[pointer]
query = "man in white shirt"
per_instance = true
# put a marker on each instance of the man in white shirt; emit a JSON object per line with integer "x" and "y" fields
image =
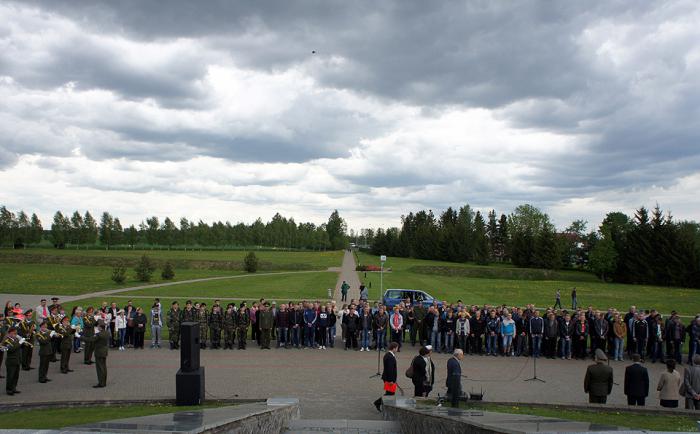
{"x": 42, "y": 311}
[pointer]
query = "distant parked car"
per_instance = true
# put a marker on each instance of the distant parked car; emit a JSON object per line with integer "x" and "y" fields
{"x": 392, "y": 297}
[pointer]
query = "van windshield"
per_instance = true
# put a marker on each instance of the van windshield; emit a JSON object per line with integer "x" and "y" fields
{"x": 393, "y": 294}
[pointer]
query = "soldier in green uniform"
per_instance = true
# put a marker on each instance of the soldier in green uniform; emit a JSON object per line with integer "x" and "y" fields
{"x": 418, "y": 326}
{"x": 25, "y": 329}
{"x": 203, "y": 318}
{"x": 216, "y": 323}
{"x": 66, "y": 332}
{"x": 54, "y": 324}
{"x": 45, "y": 350}
{"x": 88, "y": 332}
{"x": 229, "y": 327}
{"x": 267, "y": 321}
{"x": 243, "y": 322}
{"x": 11, "y": 345}
{"x": 174, "y": 319}
{"x": 100, "y": 339}
{"x": 190, "y": 313}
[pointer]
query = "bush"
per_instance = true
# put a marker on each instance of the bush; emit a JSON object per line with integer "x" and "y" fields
{"x": 168, "y": 272}
{"x": 119, "y": 273}
{"x": 250, "y": 262}
{"x": 144, "y": 269}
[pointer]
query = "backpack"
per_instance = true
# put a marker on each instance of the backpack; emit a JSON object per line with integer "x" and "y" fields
{"x": 409, "y": 371}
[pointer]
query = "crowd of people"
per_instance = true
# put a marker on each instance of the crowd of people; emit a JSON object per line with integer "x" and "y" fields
{"x": 361, "y": 325}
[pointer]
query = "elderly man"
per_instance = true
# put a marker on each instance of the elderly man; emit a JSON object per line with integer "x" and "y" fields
{"x": 691, "y": 384}
{"x": 598, "y": 382}
{"x": 454, "y": 377}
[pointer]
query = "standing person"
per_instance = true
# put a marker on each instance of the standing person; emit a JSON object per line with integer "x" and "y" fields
{"x": 114, "y": 312}
{"x": 67, "y": 332}
{"x": 636, "y": 382}
{"x": 229, "y": 327}
{"x": 619, "y": 331}
{"x": 669, "y": 384}
{"x": 322, "y": 327}
{"x": 55, "y": 324}
{"x": 551, "y": 336}
{"x": 418, "y": 329}
{"x": 492, "y": 329}
{"x": 477, "y": 326}
{"x": 557, "y": 299}
{"x": 11, "y": 345}
{"x": 463, "y": 331}
{"x": 216, "y": 323}
{"x": 600, "y": 327}
{"x": 332, "y": 320}
{"x": 266, "y": 323}
{"x": 396, "y": 324}
{"x": 310, "y": 319}
{"x": 580, "y": 336}
{"x": 640, "y": 334}
{"x": 450, "y": 326}
{"x": 120, "y": 325}
{"x": 366, "y": 326}
{"x": 42, "y": 311}
{"x": 344, "y": 291}
{"x": 352, "y": 322}
{"x": 364, "y": 293}
{"x": 423, "y": 372}
{"x": 691, "y": 384}
{"x": 77, "y": 323}
{"x": 693, "y": 339}
{"x": 140, "y": 321}
{"x": 101, "y": 342}
{"x": 89, "y": 322}
{"x": 156, "y": 325}
{"x": 657, "y": 338}
{"x": 129, "y": 314}
{"x": 536, "y": 332}
{"x": 566, "y": 333}
{"x": 203, "y": 319}
{"x": 574, "y": 300}
{"x": 389, "y": 374}
{"x": 296, "y": 321}
{"x": 174, "y": 319}
{"x": 381, "y": 322}
{"x": 282, "y": 323}
{"x": 454, "y": 377}
{"x": 598, "y": 382}
{"x": 243, "y": 322}
{"x": 26, "y": 329}
{"x": 507, "y": 334}
{"x": 45, "y": 351}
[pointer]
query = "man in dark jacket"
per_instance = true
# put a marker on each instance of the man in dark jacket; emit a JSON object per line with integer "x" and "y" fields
{"x": 454, "y": 377}
{"x": 423, "y": 372}
{"x": 100, "y": 339}
{"x": 598, "y": 382}
{"x": 352, "y": 323}
{"x": 266, "y": 323}
{"x": 389, "y": 374}
{"x": 640, "y": 334}
{"x": 636, "y": 382}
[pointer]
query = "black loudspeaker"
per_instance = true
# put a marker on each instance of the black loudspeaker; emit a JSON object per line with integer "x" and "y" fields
{"x": 189, "y": 347}
{"x": 189, "y": 387}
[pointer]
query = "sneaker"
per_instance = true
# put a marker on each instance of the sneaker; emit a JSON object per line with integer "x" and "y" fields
{"x": 362, "y": 349}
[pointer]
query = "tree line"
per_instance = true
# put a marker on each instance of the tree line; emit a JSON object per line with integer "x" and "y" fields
{"x": 647, "y": 248}
{"x": 84, "y": 231}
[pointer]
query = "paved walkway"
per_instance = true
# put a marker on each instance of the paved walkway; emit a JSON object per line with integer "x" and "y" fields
{"x": 348, "y": 274}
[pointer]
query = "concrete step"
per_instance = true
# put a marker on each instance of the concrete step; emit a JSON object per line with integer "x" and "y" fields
{"x": 342, "y": 426}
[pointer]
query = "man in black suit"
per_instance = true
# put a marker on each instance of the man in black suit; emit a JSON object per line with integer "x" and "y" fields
{"x": 454, "y": 377}
{"x": 389, "y": 374}
{"x": 423, "y": 372}
{"x": 636, "y": 382}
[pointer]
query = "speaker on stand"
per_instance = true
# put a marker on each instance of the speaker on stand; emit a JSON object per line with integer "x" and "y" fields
{"x": 189, "y": 380}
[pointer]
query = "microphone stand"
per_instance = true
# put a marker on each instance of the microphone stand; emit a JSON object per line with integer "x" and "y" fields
{"x": 534, "y": 377}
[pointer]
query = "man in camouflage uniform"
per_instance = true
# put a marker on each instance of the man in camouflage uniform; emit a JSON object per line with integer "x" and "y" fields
{"x": 189, "y": 314}
{"x": 88, "y": 332}
{"x": 229, "y": 327}
{"x": 203, "y": 318}
{"x": 243, "y": 322}
{"x": 216, "y": 323}
{"x": 174, "y": 319}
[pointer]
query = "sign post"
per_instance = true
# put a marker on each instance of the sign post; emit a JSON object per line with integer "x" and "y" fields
{"x": 382, "y": 260}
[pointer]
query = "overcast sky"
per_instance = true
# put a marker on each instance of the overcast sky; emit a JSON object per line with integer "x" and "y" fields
{"x": 221, "y": 110}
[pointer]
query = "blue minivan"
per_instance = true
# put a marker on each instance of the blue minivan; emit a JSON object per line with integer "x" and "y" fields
{"x": 392, "y": 297}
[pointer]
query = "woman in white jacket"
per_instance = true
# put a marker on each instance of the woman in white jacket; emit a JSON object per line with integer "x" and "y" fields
{"x": 120, "y": 324}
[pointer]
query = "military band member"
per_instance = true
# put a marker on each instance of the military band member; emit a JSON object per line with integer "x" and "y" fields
{"x": 266, "y": 323}
{"x": 216, "y": 323}
{"x": 174, "y": 319}
{"x": 26, "y": 330}
{"x": 88, "y": 331}
{"x": 3, "y": 332}
{"x": 55, "y": 324}
{"x": 11, "y": 345}
{"x": 45, "y": 350}
{"x": 203, "y": 318}
{"x": 243, "y": 322}
{"x": 66, "y": 332}
{"x": 100, "y": 340}
{"x": 229, "y": 326}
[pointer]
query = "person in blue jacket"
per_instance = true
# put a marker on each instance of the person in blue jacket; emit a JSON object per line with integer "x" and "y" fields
{"x": 310, "y": 318}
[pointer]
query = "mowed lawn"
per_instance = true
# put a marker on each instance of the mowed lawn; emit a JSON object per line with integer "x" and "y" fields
{"x": 51, "y": 279}
{"x": 493, "y": 291}
{"x": 283, "y": 259}
{"x": 283, "y": 286}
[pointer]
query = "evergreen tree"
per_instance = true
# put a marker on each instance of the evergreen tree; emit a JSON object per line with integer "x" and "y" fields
{"x": 481, "y": 242}
{"x": 504, "y": 245}
{"x": 603, "y": 258}
{"x": 336, "y": 228}
{"x": 250, "y": 262}
{"x": 36, "y": 230}
{"x": 144, "y": 269}
{"x": 546, "y": 253}
{"x": 168, "y": 272}
{"x": 59, "y": 230}
{"x": 106, "y": 230}
{"x": 119, "y": 273}
{"x": 465, "y": 233}
{"x": 90, "y": 229}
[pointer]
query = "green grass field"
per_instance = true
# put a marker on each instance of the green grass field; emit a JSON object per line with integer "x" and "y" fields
{"x": 53, "y": 418}
{"x": 305, "y": 285}
{"x": 473, "y": 290}
{"x": 649, "y": 422}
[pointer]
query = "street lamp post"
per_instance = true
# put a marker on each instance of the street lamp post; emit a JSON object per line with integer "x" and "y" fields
{"x": 382, "y": 260}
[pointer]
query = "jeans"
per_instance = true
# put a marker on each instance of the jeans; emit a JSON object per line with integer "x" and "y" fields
{"x": 565, "y": 348}
{"x": 76, "y": 344}
{"x": 619, "y": 346}
{"x": 491, "y": 344}
{"x": 536, "y": 345}
{"x": 331, "y": 336}
{"x": 449, "y": 342}
{"x": 381, "y": 339}
{"x": 122, "y": 337}
{"x": 507, "y": 342}
{"x": 155, "y": 335}
{"x": 365, "y": 339}
{"x": 295, "y": 336}
{"x": 520, "y": 344}
{"x": 573, "y": 303}
{"x": 281, "y": 336}
{"x": 693, "y": 348}
{"x": 657, "y": 352}
{"x": 309, "y": 336}
{"x": 435, "y": 340}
